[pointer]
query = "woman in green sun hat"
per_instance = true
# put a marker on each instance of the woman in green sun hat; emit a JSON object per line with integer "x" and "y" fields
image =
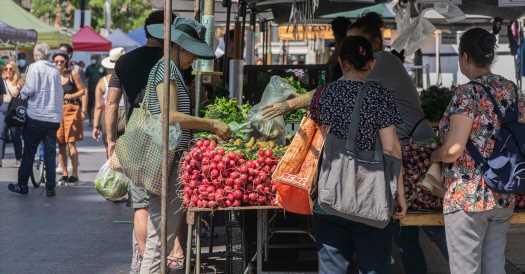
{"x": 187, "y": 37}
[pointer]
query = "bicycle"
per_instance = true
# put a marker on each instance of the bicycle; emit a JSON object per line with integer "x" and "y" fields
{"x": 38, "y": 176}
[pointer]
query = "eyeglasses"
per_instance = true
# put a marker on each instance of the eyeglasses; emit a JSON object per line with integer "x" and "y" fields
{"x": 59, "y": 62}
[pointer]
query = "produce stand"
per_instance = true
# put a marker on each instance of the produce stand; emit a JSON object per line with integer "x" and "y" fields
{"x": 193, "y": 219}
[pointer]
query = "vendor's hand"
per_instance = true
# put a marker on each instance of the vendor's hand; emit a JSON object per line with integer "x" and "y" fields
{"x": 275, "y": 110}
{"x": 402, "y": 208}
{"x": 96, "y": 134}
{"x": 220, "y": 129}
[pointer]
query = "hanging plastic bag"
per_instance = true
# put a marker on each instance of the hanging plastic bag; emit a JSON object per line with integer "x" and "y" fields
{"x": 277, "y": 90}
{"x": 111, "y": 184}
{"x": 412, "y": 31}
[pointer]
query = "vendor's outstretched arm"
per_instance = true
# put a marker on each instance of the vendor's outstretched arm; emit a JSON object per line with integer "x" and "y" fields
{"x": 187, "y": 121}
{"x": 282, "y": 108}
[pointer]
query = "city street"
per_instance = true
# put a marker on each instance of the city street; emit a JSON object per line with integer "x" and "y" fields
{"x": 76, "y": 232}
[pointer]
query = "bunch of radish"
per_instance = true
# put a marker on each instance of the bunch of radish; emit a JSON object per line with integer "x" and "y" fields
{"x": 416, "y": 161}
{"x": 520, "y": 201}
{"x": 259, "y": 189}
{"x": 213, "y": 177}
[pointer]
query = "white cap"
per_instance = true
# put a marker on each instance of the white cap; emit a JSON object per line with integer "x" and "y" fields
{"x": 114, "y": 55}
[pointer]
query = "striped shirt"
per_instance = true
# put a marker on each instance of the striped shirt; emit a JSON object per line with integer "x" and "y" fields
{"x": 156, "y": 77}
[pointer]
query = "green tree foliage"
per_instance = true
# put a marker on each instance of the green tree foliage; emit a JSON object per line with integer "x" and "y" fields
{"x": 126, "y": 14}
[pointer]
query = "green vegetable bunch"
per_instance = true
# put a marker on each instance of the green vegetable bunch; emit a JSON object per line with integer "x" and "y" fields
{"x": 435, "y": 101}
{"x": 298, "y": 85}
{"x": 227, "y": 110}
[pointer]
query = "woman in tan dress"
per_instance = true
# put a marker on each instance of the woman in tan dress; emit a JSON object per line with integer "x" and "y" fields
{"x": 71, "y": 130}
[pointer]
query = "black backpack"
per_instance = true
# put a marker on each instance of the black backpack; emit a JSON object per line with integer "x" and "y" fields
{"x": 504, "y": 169}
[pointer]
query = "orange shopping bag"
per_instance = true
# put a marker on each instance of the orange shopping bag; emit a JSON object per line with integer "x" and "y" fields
{"x": 296, "y": 173}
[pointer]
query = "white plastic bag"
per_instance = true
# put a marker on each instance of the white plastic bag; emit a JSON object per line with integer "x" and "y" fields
{"x": 277, "y": 90}
{"x": 111, "y": 184}
{"x": 412, "y": 31}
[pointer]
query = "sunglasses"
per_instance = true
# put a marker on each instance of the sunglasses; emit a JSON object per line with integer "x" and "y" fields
{"x": 58, "y": 62}
{"x": 9, "y": 69}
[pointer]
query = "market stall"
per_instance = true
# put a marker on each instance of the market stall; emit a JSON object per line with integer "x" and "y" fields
{"x": 87, "y": 39}
{"x": 16, "y": 16}
{"x": 13, "y": 37}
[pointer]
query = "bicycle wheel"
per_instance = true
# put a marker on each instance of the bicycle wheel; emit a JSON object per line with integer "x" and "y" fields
{"x": 37, "y": 174}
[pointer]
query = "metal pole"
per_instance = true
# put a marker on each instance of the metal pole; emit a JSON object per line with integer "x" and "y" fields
{"x": 438, "y": 57}
{"x": 243, "y": 11}
{"x": 226, "y": 43}
{"x": 208, "y": 20}
{"x": 165, "y": 135}
{"x": 107, "y": 15}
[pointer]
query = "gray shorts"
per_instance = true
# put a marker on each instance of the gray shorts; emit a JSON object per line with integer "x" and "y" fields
{"x": 139, "y": 197}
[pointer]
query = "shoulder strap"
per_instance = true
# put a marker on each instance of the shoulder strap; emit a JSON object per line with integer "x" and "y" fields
{"x": 471, "y": 148}
{"x": 495, "y": 104}
{"x": 356, "y": 117}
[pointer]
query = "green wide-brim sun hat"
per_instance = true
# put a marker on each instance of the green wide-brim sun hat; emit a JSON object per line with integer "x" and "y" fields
{"x": 188, "y": 34}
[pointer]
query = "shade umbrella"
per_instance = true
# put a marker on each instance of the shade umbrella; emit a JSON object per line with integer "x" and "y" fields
{"x": 17, "y": 17}
{"x": 11, "y": 36}
{"x": 86, "y": 39}
{"x": 138, "y": 35}
{"x": 119, "y": 38}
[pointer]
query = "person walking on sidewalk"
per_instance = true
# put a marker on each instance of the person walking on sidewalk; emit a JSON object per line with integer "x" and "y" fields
{"x": 71, "y": 128}
{"x": 13, "y": 84}
{"x": 101, "y": 95}
{"x": 45, "y": 96}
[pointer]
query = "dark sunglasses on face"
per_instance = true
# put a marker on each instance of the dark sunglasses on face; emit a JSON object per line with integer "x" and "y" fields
{"x": 8, "y": 69}
{"x": 59, "y": 62}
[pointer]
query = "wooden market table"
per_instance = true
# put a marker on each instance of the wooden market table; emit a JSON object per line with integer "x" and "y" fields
{"x": 193, "y": 220}
{"x": 436, "y": 219}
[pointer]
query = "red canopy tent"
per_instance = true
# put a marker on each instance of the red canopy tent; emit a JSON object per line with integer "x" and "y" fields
{"x": 86, "y": 39}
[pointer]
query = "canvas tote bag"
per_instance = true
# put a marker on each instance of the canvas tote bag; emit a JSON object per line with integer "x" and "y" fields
{"x": 357, "y": 185}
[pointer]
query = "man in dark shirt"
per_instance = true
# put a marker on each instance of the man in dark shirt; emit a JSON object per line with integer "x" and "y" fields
{"x": 340, "y": 26}
{"x": 129, "y": 78}
{"x": 94, "y": 72}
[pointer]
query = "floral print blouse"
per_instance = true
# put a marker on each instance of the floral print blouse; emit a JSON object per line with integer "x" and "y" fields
{"x": 333, "y": 106}
{"x": 466, "y": 188}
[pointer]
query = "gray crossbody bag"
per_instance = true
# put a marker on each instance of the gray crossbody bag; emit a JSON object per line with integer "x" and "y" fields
{"x": 357, "y": 185}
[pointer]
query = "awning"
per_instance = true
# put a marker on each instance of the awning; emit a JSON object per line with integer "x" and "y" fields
{"x": 15, "y": 16}
{"x": 86, "y": 39}
{"x": 383, "y": 9}
{"x": 120, "y": 39}
{"x": 10, "y": 36}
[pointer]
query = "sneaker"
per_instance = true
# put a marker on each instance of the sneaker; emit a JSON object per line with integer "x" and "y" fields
{"x": 16, "y": 188}
{"x": 50, "y": 192}
{"x": 62, "y": 181}
{"x": 72, "y": 179}
{"x": 18, "y": 163}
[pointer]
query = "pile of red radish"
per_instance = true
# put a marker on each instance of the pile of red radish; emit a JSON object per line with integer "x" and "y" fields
{"x": 416, "y": 161}
{"x": 215, "y": 178}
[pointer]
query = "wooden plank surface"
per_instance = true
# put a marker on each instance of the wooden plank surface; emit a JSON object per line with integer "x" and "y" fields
{"x": 436, "y": 219}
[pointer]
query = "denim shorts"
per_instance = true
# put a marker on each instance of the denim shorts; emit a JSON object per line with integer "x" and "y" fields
{"x": 139, "y": 197}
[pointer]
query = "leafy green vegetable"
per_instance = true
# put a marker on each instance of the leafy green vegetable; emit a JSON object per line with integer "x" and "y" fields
{"x": 435, "y": 101}
{"x": 298, "y": 85}
{"x": 227, "y": 110}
